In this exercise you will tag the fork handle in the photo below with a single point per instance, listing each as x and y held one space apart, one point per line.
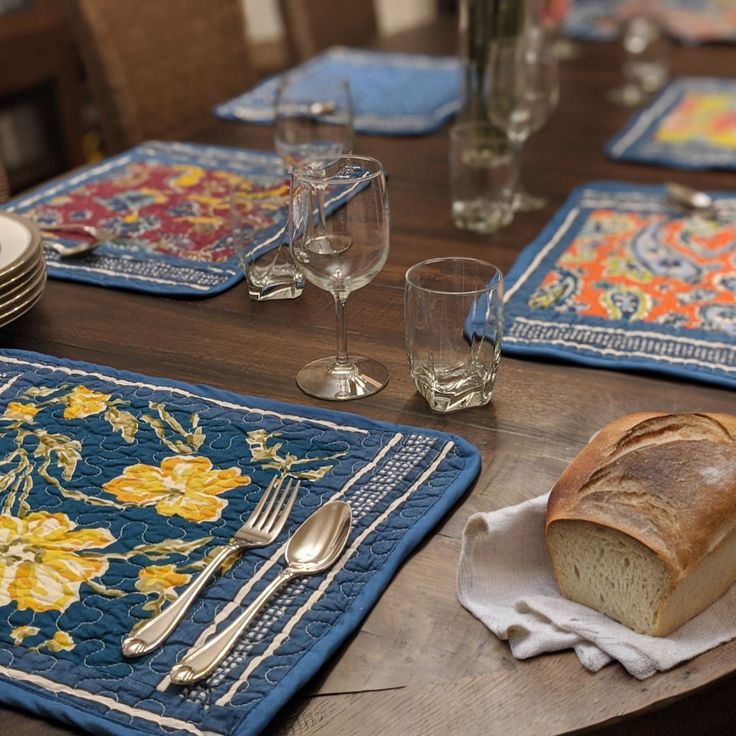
157 629
199 662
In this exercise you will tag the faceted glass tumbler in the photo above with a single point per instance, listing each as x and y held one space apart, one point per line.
453 312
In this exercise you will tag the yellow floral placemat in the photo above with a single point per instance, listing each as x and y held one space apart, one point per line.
116 488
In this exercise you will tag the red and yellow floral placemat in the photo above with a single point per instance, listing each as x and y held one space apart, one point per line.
168 208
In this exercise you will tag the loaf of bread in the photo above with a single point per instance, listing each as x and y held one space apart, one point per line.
641 525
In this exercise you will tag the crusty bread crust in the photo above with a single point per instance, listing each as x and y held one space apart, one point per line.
667 480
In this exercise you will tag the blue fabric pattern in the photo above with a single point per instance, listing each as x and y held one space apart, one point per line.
661 278
168 203
393 94
116 486
689 98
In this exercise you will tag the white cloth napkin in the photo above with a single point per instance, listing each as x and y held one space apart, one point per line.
505 579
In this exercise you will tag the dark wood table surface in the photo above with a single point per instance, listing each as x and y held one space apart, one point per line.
420 663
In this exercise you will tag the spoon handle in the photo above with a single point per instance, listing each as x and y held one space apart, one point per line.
201 661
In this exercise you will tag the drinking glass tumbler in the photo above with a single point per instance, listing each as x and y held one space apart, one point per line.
453 311
483 174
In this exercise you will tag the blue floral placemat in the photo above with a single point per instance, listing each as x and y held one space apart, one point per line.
691 124
621 279
393 94
688 21
116 487
168 205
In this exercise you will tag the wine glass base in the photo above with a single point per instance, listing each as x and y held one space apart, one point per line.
323 380
627 95
525 202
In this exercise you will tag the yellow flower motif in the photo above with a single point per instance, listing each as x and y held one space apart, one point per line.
16 411
84 402
184 485
40 565
259 450
61 641
19 633
161 579
190 176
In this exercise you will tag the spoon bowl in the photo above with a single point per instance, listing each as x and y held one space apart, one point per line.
689 198
313 547
97 237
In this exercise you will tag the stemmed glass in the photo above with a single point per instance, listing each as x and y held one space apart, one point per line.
340 254
522 91
312 118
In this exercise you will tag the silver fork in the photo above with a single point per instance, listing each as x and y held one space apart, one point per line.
263 526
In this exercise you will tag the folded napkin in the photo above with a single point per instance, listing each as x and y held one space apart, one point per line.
505 579
393 94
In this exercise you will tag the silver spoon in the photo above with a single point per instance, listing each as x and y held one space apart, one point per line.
689 198
314 547
97 235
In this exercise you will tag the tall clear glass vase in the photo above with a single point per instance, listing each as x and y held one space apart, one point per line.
482 21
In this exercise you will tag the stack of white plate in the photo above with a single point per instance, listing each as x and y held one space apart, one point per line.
22 266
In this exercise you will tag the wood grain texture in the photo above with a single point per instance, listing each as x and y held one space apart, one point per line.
420 663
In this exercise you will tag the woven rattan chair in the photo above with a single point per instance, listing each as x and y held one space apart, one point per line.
313 25
4 188
156 67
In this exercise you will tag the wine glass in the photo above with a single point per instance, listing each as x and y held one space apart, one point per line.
312 118
340 254
522 91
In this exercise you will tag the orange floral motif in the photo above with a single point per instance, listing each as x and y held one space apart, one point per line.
710 118
665 268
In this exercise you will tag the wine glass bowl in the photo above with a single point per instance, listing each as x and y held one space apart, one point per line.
340 254
312 121
522 92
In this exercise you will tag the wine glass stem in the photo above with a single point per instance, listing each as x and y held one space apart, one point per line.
517 151
321 210
342 360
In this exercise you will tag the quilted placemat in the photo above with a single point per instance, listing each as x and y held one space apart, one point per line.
116 487
393 94
688 21
691 124
168 205
620 278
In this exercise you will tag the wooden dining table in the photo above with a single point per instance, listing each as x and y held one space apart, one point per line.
420 663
